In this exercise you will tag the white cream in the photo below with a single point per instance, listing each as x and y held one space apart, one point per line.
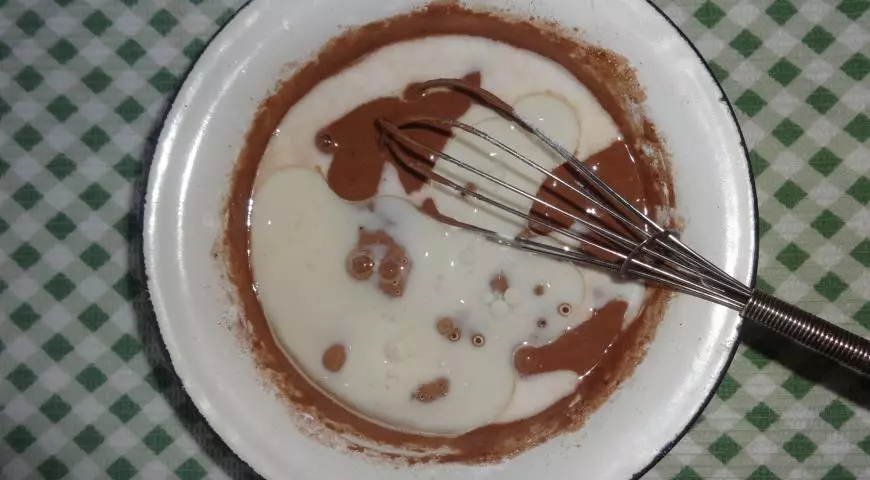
301 235
511 72
302 232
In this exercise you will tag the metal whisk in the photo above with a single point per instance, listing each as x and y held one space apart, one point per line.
645 250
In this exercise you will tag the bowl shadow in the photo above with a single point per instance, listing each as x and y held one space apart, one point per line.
162 376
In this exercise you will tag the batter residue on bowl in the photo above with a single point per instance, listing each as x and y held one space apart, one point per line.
403 334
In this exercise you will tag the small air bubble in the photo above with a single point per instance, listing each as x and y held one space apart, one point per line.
478 340
326 141
454 335
360 264
565 309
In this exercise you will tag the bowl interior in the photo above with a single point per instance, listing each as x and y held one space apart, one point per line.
205 131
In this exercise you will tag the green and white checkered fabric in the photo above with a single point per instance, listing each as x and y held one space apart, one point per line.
87 391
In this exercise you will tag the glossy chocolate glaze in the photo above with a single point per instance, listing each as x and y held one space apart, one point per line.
580 349
613 351
616 166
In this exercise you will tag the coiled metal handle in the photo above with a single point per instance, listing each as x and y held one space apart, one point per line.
838 344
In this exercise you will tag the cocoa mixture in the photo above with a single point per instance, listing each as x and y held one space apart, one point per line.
431 391
499 284
601 349
393 269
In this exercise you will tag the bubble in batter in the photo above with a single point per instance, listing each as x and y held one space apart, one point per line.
565 309
478 340
391 269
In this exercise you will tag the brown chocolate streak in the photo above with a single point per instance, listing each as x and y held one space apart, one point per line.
616 166
609 79
358 157
580 349
431 391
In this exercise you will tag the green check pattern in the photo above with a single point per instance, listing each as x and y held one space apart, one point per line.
87 390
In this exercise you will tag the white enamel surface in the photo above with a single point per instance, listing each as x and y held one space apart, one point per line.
198 147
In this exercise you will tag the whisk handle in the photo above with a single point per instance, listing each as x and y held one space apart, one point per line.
836 343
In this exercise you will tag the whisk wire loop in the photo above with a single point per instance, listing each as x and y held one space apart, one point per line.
648 252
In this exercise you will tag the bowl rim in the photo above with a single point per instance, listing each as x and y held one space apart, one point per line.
753 268
160 157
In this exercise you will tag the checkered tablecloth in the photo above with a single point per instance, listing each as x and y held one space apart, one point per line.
87 391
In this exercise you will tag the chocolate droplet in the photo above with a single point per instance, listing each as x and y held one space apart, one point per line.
431 391
325 142
390 269
499 284
334 357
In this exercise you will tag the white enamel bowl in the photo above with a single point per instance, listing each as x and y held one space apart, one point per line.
189 179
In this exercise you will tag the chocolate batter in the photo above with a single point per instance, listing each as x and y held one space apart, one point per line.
354 142
615 165
393 269
600 348
431 391
499 284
